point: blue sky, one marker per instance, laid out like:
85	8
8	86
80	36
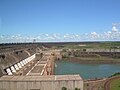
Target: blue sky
33	17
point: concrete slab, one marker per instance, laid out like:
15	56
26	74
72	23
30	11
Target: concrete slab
6	78
15	78
77	77
62	77
34	74
37	69
21	78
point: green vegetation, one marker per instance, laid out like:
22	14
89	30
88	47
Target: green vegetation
115	85
77	89
65	56
116	74
98	45
64	88
90	51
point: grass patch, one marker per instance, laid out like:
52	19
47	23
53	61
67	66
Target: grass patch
115	85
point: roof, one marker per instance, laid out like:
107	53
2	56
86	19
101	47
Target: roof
41	78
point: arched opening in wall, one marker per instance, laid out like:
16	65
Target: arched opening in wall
2	56
53	54
41	54
58	58
21	51
16	52
5	72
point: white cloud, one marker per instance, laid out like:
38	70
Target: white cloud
114	34
114	29
46	34
94	35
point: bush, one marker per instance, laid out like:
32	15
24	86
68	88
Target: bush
77	89
64	88
116	74
65	56
84	50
